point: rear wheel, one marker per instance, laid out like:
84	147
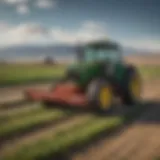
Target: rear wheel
100	94
132	87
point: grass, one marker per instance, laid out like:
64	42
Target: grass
30	121
150	71
20	113
62	142
13	74
20	74
59	143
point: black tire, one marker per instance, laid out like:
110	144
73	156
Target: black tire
127	97
93	94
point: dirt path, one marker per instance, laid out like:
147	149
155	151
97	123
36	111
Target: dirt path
151	89
137	142
9	94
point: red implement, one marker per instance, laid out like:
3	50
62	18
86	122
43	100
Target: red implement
66	93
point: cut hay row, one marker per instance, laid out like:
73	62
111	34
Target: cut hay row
50	131
14	104
31	122
60	143
56	145
17	113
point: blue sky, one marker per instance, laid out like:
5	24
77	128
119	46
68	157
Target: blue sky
134	23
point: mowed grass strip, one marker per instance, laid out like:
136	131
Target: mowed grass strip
22	73
13	104
22	112
29	122
50	131
12	74
62	141
150	71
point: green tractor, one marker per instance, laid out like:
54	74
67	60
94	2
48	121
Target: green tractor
95	80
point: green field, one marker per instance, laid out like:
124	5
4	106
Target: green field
150	72
38	133
60	139
19	124
22	74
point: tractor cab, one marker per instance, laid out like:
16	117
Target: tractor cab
96	59
99	51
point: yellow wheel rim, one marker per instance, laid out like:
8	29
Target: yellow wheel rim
135	86
105	97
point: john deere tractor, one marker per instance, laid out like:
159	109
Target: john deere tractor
98	77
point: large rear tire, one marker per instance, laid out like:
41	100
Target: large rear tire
100	95
132	87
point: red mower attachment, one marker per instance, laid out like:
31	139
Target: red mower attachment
65	93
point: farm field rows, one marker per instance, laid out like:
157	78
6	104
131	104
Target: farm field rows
29	131
16	93
54	130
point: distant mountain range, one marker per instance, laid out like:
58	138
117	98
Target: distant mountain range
36	51
60	50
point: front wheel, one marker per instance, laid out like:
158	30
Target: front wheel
100	94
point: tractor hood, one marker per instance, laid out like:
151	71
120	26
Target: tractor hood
80	67
84	72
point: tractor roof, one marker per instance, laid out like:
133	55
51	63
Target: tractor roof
103	44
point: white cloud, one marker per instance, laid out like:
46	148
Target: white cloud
4	26
88	31
146	43
22	34
45	3
22	9
32	33
15	1
21	6
91	30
